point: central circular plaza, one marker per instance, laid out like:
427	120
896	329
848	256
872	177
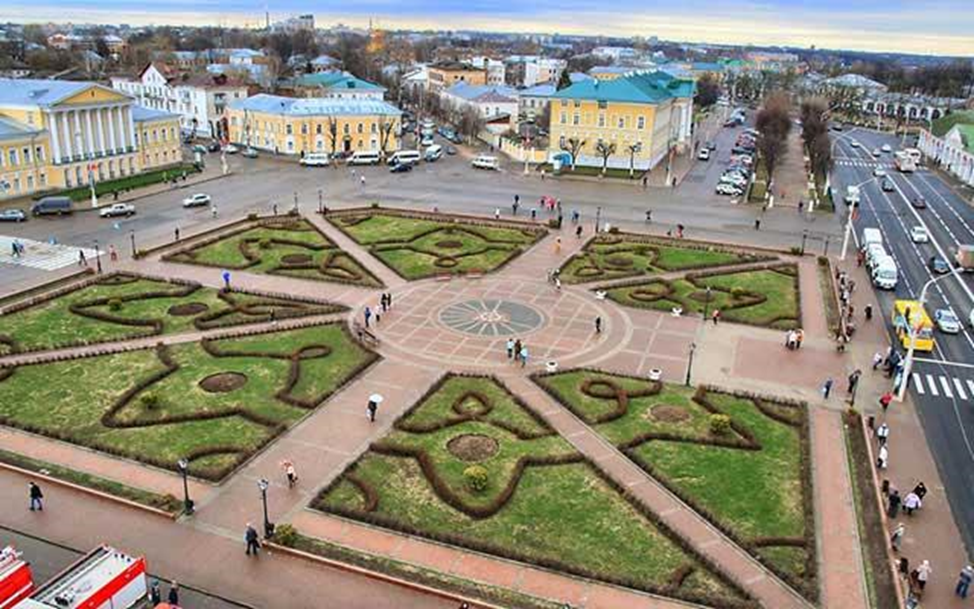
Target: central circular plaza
491	317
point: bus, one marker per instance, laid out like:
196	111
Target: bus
907	313
905	162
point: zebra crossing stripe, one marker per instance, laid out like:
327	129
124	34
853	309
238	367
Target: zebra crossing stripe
918	384
946	386
932	385
970	386
959	389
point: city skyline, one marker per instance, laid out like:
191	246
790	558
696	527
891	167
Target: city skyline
937	29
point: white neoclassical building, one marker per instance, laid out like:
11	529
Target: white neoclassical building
954	152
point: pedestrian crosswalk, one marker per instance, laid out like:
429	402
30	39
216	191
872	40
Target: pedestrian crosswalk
938	385
41	255
846	162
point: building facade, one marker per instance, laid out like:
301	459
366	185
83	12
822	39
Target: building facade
298	126
496	71
61	134
340	85
651	112
533	102
490	102
445	74
954	150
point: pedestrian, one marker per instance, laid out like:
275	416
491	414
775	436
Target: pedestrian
679	227
893	504
510	348
827	388
362	180
36	496
524	356
497	213
911	503
226	280
598	324
896	537
885	399
649	216
882	434
715	316
757	224
517	350
82	261
371	409
274	209
173	597
252	539
578	231
868	310
112	253
921	490
801	205
853	381
964	581
382	302
877	360
534	213
576	216
176	233
645	181
155	594
557	283
368	316
290	473
558	244
213	211
860	258
923	573
882	461
14	250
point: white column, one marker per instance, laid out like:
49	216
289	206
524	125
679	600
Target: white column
131	128
89	140
69	133
112	138
101	131
52	126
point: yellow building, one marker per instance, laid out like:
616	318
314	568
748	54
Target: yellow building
445	74
298	126
644	116
61	134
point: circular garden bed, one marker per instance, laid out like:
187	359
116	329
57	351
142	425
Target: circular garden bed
188	309
296	259
223	382
668	413
472	447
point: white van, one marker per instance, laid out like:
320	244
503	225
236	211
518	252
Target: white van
433	153
485	161
364	157
885	273
869	237
874	253
409	157
852	195
315	159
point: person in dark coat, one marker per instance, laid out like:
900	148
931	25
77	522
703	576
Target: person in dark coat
36	496
173	598
894	504
253	541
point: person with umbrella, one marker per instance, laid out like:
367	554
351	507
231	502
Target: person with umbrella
374	400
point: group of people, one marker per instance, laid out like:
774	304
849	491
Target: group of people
385	303
794	338
517	351
155	594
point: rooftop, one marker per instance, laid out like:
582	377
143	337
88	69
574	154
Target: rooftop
958	117
13	130
335	81
855	80
483	93
452	66
542	90
141	114
38	92
315	106
643	87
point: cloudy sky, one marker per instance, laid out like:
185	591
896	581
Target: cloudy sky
933	27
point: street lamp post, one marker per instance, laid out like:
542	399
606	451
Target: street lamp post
97	257
706	304
188	506
598	218
912	332
804	238
321	207
848	230
693	347
132	241
295	202
263	485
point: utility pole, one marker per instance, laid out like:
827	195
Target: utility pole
912	332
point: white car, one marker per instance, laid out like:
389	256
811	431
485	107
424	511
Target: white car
314	159
854	144
733	178
704	154
231	149
197	200
876	152
725	188
117	209
887	148
879	172
918	234
946	321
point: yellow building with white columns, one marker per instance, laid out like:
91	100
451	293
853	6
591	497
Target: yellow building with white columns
61	134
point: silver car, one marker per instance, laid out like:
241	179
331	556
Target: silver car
946	321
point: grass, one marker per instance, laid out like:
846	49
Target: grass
561	512
748	480
420	247
759	185
610	172
167	503
141	180
288	247
122	306
74	400
617	257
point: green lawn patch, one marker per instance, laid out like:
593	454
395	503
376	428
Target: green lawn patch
533	499
214	403
417	245
124	306
287	246
766	297
618	256
749	475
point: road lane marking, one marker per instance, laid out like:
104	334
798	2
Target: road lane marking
932	384
946	387
959	388
940	362
970	385
917	384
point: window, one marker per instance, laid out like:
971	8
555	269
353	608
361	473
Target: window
155	135
318	128
67	178
564	103
172	133
577	102
575	120
43	180
290	146
603	104
564	118
346	129
13	157
641	122
374	128
601	120
30	183
304	128
136	138
164	135
561	142
17	184
622	122
131	165
39	153
361	129
26	154
289	129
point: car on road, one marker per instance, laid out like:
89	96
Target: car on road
426	141
401	168
854	144
939	266
879	172
250	153
919	234
726	188
450	150
946	321
213	147
200	148
704	154
13	215
876	152
732	177
117	209
887	185
711	146
486	161
918	203
887	148
314	159
197	200
231	149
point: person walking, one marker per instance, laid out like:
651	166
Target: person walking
534	214
911	503
368	316
290	473
882	461
715	316
517	350
173	597
882	434
877	360
112	253
510	348
921	490
372	408
252	539
82	260
923	573
226	280
893	504
827	388
884	401
36	496
853	380
155	594
362	180
757	224
896	537
598	324
964	581
578	231
497	213
868	310
524	356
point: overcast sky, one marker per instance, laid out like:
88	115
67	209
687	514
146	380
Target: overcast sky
932	27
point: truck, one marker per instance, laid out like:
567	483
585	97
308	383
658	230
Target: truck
905	162
852	195
964	258
870	236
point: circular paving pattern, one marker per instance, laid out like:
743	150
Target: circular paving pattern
472	447
489	317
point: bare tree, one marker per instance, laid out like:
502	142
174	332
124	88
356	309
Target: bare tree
774	123
573	146
470	122
633	149
605	150
821	156
386	125
333	134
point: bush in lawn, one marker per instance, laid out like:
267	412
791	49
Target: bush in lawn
115	304
476	477
265	244
720	424
738	291
150	401
286	535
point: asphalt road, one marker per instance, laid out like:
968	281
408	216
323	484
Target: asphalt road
47	560
942	383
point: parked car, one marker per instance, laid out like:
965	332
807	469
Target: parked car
197	200
231	149
250	153
401	168
733	178
426	141
879	172
117	209
51	205
918	203
887	148
887	185
725	188
919	234
704	154
200	148
314	159
451	151
939	266
854	144
711	146
13	215
946	321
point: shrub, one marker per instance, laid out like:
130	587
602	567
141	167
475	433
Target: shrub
252	216
738	291
613	230
265	244
795	250
476	478
286	535
150	401
115	304
374	205
720	424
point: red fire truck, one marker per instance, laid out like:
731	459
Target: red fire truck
16	581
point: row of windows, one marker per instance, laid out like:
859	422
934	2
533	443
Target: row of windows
17	185
622	122
15	157
274	127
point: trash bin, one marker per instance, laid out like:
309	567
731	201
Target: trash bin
655	374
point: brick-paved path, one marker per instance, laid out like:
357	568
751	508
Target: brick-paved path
326	440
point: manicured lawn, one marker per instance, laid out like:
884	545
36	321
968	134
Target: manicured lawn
148	178
749	480
285	246
763	297
615	257
542	503
123	306
417	247
104	402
